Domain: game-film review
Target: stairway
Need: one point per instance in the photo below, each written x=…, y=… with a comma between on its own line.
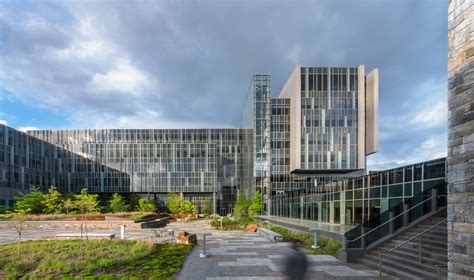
x=403, y=263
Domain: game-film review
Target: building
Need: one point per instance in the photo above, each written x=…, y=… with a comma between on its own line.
x=320, y=128
x=353, y=201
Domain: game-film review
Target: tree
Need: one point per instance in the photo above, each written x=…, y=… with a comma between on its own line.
x=53, y=201
x=173, y=203
x=207, y=207
x=17, y=221
x=86, y=203
x=144, y=205
x=69, y=205
x=256, y=207
x=30, y=203
x=177, y=205
x=117, y=203
x=241, y=209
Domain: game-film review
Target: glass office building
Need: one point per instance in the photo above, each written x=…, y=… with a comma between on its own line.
x=319, y=129
x=355, y=200
x=203, y=164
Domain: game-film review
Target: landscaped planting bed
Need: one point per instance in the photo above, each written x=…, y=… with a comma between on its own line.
x=97, y=260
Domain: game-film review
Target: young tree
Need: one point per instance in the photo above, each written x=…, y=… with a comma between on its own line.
x=256, y=207
x=207, y=207
x=17, y=221
x=69, y=205
x=117, y=203
x=30, y=203
x=86, y=203
x=144, y=205
x=53, y=201
x=173, y=203
x=241, y=209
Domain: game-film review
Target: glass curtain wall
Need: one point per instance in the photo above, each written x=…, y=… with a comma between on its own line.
x=355, y=200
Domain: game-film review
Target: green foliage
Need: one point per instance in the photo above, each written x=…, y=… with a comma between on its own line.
x=256, y=206
x=207, y=208
x=69, y=205
x=106, y=259
x=53, y=202
x=227, y=224
x=117, y=204
x=86, y=203
x=30, y=202
x=178, y=205
x=305, y=240
x=144, y=205
x=241, y=209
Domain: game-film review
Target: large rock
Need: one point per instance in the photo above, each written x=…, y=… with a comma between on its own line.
x=252, y=228
x=186, y=238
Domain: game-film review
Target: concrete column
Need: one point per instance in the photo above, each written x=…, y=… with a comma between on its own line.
x=391, y=224
x=406, y=215
x=214, y=206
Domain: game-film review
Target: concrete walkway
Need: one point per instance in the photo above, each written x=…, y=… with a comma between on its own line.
x=239, y=255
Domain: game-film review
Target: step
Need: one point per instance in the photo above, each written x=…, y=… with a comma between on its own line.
x=413, y=256
x=413, y=246
x=443, y=227
x=413, y=262
x=414, y=251
x=410, y=268
x=424, y=242
x=438, y=238
x=388, y=270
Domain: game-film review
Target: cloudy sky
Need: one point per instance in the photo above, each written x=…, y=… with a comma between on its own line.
x=188, y=64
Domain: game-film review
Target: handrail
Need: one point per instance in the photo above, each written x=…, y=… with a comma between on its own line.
x=420, y=257
x=411, y=238
x=362, y=235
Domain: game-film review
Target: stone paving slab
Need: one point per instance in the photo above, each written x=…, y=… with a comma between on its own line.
x=240, y=255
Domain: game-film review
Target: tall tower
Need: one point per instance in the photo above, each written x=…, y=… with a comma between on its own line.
x=257, y=115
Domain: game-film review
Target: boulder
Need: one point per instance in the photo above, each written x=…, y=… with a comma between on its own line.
x=186, y=238
x=252, y=228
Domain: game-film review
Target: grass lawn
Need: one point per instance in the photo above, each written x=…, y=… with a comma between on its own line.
x=111, y=259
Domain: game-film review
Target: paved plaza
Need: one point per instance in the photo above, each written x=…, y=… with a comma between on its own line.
x=233, y=255
x=240, y=255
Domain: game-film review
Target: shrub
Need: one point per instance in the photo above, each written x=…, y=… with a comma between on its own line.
x=117, y=204
x=30, y=202
x=144, y=205
x=86, y=203
x=177, y=205
x=256, y=207
x=241, y=210
x=53, y=201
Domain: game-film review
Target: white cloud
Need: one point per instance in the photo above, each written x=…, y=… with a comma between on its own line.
x=3, y=122
x=123, y=78
x=27, y=128
x=434, y=115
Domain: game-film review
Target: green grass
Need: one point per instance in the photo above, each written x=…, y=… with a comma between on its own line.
x=227, y=224
x=328, y=246
x=102, y=260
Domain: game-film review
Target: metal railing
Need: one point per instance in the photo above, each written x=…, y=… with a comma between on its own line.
x=420, y=250
x=391, y=220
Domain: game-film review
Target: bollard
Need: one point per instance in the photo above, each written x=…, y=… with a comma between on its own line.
x=315, y=237
x=122, y=231
x=220, y=220
x=204, y=254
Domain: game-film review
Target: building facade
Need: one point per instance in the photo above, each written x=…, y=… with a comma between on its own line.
x=353, y=201
x=319, y=129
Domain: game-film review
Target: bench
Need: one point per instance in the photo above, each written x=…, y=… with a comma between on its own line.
x=273, y=236
x=94, y=236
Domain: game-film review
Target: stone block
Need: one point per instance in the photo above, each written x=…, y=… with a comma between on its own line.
x=186, y=238
x=251, y=228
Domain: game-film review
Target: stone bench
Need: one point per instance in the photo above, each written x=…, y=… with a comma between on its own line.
x=273, y=236
x=92, y=236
